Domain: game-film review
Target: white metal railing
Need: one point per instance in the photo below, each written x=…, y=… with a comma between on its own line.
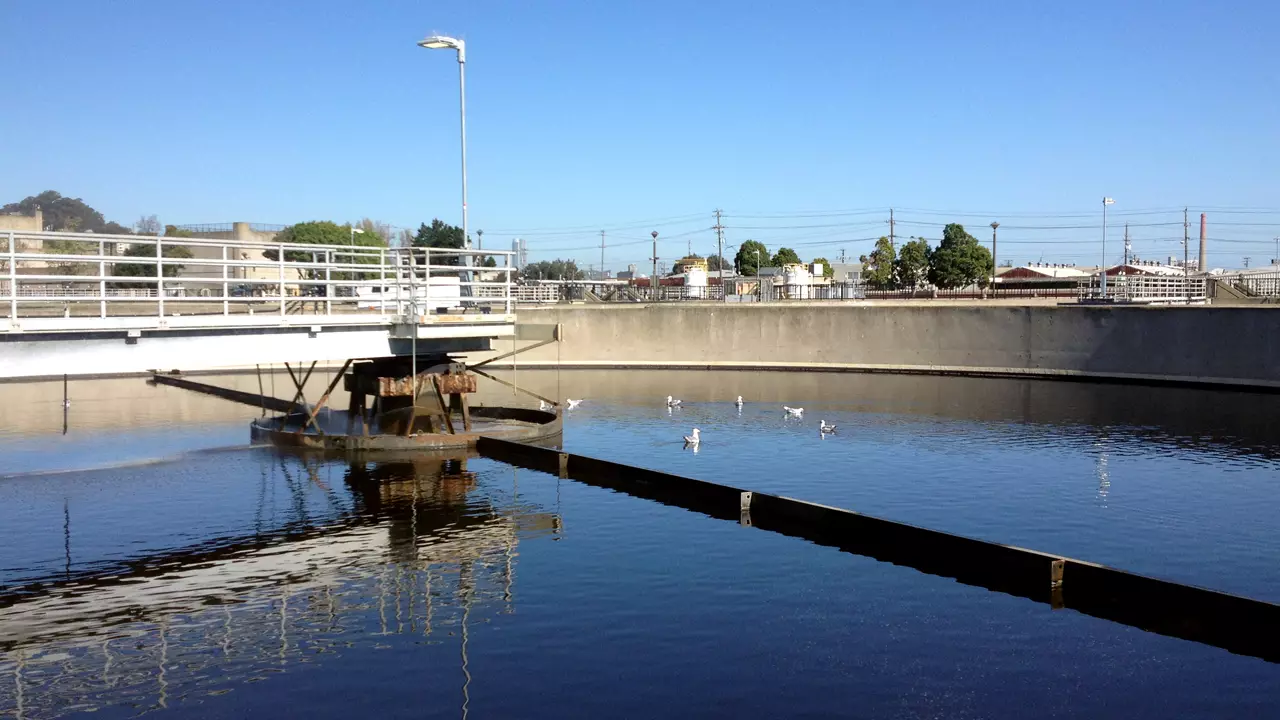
x=1258, y=284
x=1146, y=289
x=44, y=274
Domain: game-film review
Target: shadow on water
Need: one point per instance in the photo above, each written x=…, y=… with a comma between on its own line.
x=411, y=546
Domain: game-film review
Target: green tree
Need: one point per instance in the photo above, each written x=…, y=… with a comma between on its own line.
x=912, y=265
x=827, y=270
x=553, y=270
x=440, y=235
x=171, y=231
x=751, y=254
x=64, y=213
x=959, y=260
x=785, y=256
x=715, y=262
x=148, y=270
x=877, y=268
x=60, y=246
x=324, y=232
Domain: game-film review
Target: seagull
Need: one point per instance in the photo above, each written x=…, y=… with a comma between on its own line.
x=693, y=439
x=544, y=406
x=672, y=403
x=824, y=428
x=793, y=412
x=739, y=403
x=573, y=403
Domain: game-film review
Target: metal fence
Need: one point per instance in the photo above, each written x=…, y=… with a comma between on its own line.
x=1255, y=284
x=1145, y=289
x=81, y=274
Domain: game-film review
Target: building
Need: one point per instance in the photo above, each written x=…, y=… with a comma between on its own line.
x=1040, y=271
x=22, y=223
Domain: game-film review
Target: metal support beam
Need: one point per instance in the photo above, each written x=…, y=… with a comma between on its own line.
x=311, y=418
x=504, y=356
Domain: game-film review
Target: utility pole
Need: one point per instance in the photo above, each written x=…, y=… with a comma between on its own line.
x=724, y=296
x=891, y=245
x=653, y=282
x=1186, y=243
x=842, y=254
x=1246, y=262
x=1275, y=260
x=1126, y=247
x=602, y=254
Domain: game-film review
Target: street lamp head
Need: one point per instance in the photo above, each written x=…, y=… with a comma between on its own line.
x=357, y=230
x=995, y=225
x=444, y=42
x=654, y=234
x=1108, y=201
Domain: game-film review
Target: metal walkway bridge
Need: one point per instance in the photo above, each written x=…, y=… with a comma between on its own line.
x=84, y=304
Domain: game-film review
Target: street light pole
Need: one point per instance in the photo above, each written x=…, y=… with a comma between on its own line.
x=439, y=42
x=653, y=283
x=1105, y=202
x=994, y=264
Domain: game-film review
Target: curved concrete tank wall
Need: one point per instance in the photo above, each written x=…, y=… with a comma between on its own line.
x=1197, y=344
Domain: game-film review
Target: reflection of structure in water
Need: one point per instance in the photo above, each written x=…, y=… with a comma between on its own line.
x=420, y=551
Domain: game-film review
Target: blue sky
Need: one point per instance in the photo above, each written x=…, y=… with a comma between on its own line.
x=632, y=116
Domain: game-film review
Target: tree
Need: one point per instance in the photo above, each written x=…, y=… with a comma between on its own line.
x=751, y=254
x=382, y=229
x=171, y=231
x=716, y=262
x=877, y=268
x=912, y=266
x=441, y=235
x=785, y=256
x=63, y=213
x=827, y=270
x=148, y=270
x=147, y=225
x=60, y=246
x=553, y=270
x=959, y=260
x=324, y=232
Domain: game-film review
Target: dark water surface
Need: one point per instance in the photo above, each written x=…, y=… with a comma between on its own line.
x=151, y=563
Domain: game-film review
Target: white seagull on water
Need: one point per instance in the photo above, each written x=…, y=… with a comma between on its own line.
x=543, y=405
x=672, y=403
x=693, y=439
x=793, y=412
x=739, y=403
x=572, y=403
x=824, y=428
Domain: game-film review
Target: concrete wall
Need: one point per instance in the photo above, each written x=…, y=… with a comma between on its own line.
x=240, y=232
x=1196, y=344
x=22, y=223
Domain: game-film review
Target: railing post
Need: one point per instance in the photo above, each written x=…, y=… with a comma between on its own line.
x=507, y=264
x=102, y=283
x=226, y=304
x=13, y=280
x=328, y=276
x=160, y=276
x=426, y=281
x=382, y=281
x=281, y=288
